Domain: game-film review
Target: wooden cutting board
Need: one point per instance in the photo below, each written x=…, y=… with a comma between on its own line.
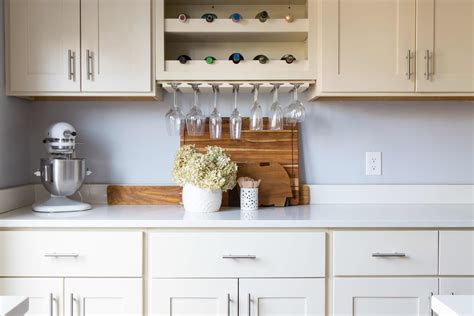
x=275, y=186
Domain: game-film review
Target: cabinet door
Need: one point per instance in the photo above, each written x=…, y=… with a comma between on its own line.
x=43, y=45
x=193, y=297
x=116, y=45
x=458, y=286
x=267, y=297
x=45, y=295
x=365, y=45
x=103, y=297
x=404, y=296
x=446, y=36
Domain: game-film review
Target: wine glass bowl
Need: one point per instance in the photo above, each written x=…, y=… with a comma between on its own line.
x=235, y=120
x=256, y=114
x=276, y=111
x=175, y=119
x=195, y=120
x=295, y=112
x=215, y=119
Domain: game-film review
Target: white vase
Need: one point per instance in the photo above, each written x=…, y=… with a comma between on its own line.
x=201, y=201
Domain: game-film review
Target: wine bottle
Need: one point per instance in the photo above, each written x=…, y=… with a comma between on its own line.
x=236, y=17
x=288, y=58
x=262, y=59
x=183, y=17
x=262, y=16
x=184, y=59
x=236, y=58
x=209, y=59
x=209, y=17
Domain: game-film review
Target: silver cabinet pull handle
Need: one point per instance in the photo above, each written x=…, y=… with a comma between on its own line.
x=228, y=304
x=388, y=254
x=61, y=255
x=72, y=304
x=250, y=304
x=52, y=299
x=408, y=58
x=427, y=64
x=84, y=306
x=90, y=64
x=239, y=257
x=71, y=65
x=431, y=309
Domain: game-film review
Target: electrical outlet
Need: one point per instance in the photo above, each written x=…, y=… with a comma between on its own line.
x=373, y=163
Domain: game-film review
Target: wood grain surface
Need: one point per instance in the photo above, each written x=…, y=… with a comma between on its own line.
x=143, y=195
x=257, y=146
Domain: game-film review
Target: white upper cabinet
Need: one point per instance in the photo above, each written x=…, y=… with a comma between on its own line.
x=367, y=46
x=43, y=46
x=116, y=45
x=79, y=48
x=445, y=41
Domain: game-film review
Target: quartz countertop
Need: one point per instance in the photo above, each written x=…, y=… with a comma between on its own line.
x=308, y=216
x=13, y=305
x=453, y=305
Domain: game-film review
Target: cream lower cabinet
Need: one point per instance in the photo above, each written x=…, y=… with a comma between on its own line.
x=45, y=294
x=383, y=296
x=457, y=286
x=103, y=297
x=289, y=297
x=175, y=297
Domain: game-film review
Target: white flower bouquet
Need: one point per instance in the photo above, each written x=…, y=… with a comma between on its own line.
x=212, y=170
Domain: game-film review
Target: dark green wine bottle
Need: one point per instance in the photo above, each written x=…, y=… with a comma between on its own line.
x=262, y=16
x=236, y=58
x=262, y=59
x=183, y=59
x=209, y=17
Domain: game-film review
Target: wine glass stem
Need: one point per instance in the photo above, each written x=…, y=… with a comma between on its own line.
x=275, y=95
x=196, y=101
x=175, y=103
x=235, y=99
x=215, y=99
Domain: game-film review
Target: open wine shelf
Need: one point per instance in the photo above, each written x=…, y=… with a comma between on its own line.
x=198, y=39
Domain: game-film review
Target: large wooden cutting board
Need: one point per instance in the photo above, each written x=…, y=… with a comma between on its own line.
x=257, y=146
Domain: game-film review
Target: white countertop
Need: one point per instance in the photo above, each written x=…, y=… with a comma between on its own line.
x=13, y=305
x=308, y=216
x=453, y=305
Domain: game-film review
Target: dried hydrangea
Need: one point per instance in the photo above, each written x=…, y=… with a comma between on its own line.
x=212, y=170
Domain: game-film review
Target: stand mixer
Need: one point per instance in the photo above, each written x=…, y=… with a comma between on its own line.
x=61, y=174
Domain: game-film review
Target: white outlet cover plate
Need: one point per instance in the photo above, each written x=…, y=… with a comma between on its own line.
x=373, y=163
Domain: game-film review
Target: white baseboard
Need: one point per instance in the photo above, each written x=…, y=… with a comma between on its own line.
x=392, y=194
x=16, y=197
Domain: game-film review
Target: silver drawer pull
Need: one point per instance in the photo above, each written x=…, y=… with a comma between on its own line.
x=388, y=254
x=239, y=257
x=61, y=255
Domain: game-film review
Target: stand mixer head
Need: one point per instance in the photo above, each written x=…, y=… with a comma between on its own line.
x=61, y=173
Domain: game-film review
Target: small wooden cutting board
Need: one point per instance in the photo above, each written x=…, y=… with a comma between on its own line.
x=275, y=188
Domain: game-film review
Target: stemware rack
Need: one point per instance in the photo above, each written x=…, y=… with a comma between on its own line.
x=244, y=87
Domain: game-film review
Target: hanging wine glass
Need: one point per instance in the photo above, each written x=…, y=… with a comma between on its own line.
x=276, y=112
x=295, y=112
x=256, y=115
x=175, y=119
x=235, y=120
x=195, y=120
x=215, y=119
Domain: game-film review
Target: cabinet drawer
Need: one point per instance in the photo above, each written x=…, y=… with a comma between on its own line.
x=71, y=254
x=456, y=253
x=385, y=253
x=237, y=254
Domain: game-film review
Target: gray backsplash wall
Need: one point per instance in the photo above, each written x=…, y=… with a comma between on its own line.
x=14, y=131
x=423, y=142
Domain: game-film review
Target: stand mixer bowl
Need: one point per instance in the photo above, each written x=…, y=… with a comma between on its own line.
x=62, y=177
